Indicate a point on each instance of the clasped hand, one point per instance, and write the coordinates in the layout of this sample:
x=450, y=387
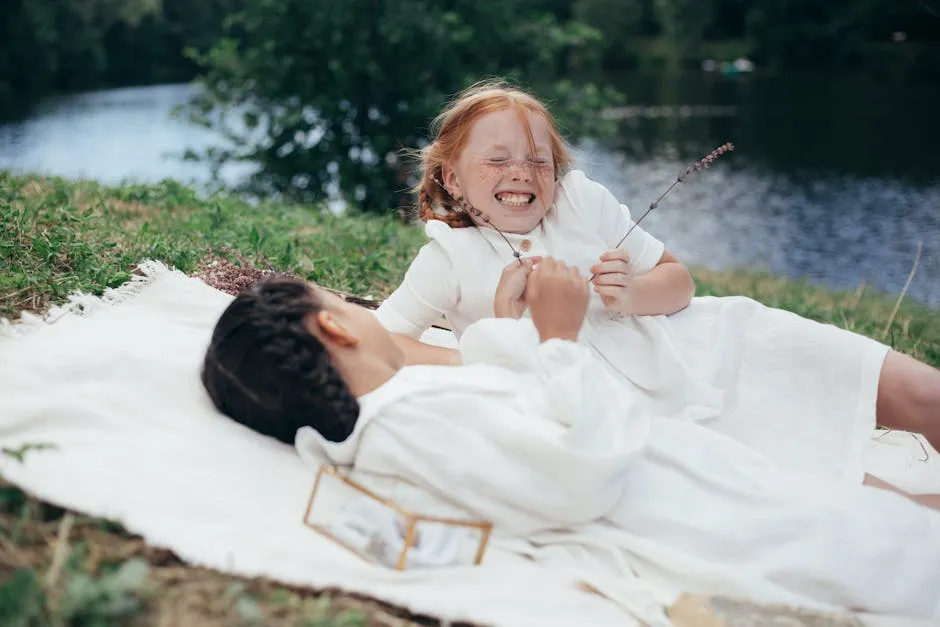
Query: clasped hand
x=555, y=293
x=612, y=282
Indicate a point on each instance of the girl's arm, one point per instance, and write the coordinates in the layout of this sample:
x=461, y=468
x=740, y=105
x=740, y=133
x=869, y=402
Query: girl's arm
x=417, y=352
x=426, y=294
x=666, y=288
x=636, y=275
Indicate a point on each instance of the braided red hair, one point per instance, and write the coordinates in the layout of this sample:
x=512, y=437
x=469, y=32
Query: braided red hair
x=453, y=126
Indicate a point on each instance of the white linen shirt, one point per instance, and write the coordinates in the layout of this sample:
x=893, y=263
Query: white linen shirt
x=456, y=273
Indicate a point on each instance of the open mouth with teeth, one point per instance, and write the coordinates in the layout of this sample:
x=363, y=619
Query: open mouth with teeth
x=513, y=199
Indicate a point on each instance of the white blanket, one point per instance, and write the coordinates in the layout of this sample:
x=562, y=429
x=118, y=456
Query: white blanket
x=118, y=394
x=115, y=390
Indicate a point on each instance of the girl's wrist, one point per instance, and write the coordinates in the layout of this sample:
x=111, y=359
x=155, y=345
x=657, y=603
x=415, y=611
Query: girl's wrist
x=501, y=310
x=506, y=308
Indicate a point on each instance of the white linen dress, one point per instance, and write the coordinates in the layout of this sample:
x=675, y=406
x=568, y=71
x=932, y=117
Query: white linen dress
x=796, y=390
x=546, y=443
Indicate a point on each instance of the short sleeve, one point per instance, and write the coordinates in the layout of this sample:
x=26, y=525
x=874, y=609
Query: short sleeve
x=428, y=292
x=612, y=219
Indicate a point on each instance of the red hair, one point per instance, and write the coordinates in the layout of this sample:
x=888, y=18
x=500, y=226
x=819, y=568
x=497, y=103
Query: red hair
x=451, y=129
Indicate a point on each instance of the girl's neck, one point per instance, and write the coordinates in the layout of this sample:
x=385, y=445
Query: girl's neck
x=365, y=373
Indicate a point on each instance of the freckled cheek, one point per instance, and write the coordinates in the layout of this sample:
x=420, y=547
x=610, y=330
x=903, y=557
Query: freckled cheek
x=488, y=175
x=485, y=180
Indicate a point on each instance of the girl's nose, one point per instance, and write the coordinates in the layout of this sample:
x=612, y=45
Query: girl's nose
x=519, y=170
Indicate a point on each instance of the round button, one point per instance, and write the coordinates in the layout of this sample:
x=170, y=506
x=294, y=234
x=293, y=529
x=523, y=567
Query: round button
x=525, y=245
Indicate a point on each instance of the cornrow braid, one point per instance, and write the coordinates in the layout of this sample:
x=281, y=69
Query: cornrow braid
x=265, y=370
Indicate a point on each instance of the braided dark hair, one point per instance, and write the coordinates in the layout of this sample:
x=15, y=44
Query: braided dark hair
x=265, y=370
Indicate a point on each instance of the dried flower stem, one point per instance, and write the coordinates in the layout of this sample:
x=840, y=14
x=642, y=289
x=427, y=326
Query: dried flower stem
x=479, y=214
x=466, y=206
x=702, y=164
x=907, y=284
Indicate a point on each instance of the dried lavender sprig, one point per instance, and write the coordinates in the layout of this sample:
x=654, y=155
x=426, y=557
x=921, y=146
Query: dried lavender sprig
x=479, y=214
x=474, y=211
x=702, y=164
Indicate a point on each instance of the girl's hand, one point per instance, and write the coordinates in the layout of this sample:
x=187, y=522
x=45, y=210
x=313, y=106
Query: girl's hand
x=559, y=297
x=509, y=301
x=613, y=281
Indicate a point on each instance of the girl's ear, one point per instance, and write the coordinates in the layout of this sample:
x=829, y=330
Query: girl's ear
x=449, y=176
x=333, y=330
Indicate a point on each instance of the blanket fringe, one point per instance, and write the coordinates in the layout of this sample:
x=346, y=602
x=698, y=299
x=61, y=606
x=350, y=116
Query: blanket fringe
x=84, y=304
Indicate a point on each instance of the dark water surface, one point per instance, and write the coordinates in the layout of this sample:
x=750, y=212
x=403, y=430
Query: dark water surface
x=834, y=178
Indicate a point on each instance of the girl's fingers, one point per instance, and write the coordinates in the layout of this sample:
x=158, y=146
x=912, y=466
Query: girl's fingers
x=616, y=279
x=611, y=266
x=615, y=255
x=607, y=290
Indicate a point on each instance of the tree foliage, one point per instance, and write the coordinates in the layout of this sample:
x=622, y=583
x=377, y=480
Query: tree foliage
x=325, y=93
x=781, y=33
x=48, y=46
x=683, y=23
x=322, y=93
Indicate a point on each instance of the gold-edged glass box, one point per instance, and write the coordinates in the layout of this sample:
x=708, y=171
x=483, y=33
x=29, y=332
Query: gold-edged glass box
x=391, y=529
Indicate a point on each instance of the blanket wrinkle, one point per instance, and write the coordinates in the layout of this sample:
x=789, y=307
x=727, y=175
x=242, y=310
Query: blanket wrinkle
x=111, y=382
x=144, y=446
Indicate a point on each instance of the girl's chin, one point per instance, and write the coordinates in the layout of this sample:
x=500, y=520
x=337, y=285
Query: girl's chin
x=511, y=219
x=518, y=215
x=519, y=226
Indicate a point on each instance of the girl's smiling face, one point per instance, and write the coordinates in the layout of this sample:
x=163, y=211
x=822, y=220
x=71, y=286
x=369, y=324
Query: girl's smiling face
x=506, y=170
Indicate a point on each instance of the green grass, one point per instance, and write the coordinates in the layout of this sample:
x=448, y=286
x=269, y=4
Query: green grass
x=914, y=329
x=57, y=237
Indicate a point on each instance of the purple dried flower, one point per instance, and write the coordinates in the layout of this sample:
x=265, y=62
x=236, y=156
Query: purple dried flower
x=704, y=162
x=698, y=166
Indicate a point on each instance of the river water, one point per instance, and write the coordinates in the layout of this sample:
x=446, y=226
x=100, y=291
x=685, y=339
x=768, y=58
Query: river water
x=834, y=179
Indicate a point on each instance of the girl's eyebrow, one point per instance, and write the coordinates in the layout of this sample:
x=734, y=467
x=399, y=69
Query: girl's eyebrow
x=538, y=147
